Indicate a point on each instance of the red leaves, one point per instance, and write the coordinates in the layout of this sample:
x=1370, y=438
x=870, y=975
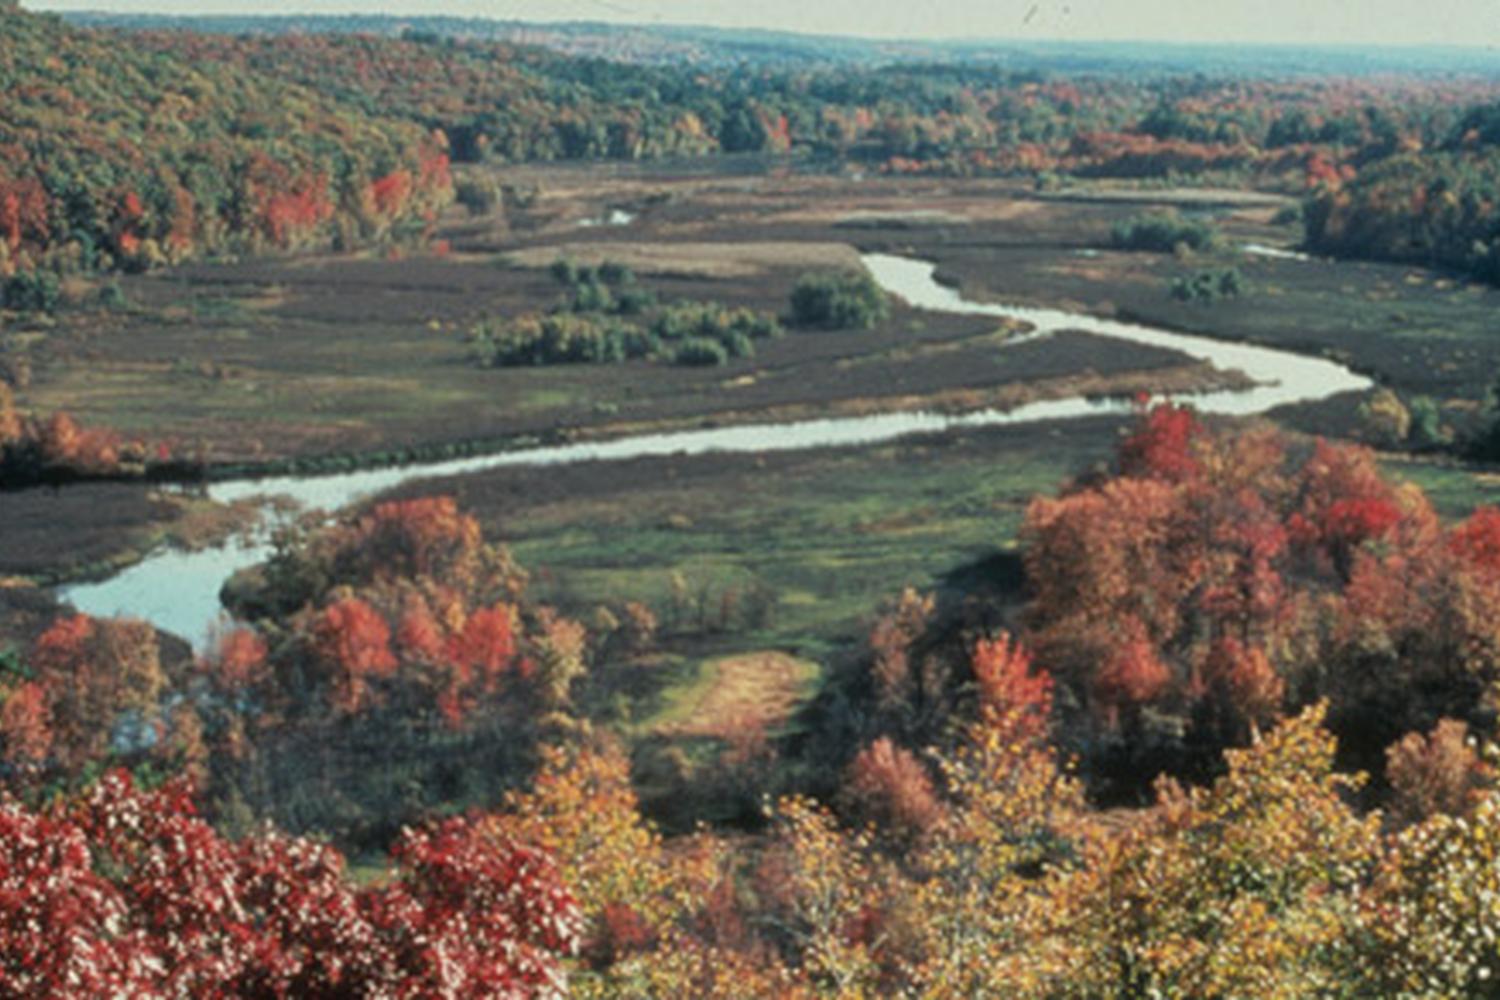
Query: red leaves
x=185, y=912
x=1245, y=681
x=1162, y=446
x=239, y=662
x=23, y=213
x=888, y=786
x=1134, y=675
x=1009, y=690
x=1345, y=502
x=57, y=917
x=486, y=648
x=407, y=538
x=26, y=724
x=473, y=917
x=1357, y=520
x=1477, y=540
x=91, y=673
x=288, y=214
x=354, y=640
x=389, y=194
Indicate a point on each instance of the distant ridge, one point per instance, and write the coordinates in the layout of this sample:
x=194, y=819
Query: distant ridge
x=721, y=47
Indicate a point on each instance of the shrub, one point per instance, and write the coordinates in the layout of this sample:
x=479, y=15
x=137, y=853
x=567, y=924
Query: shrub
x=1427, y=430
x=560, y=339
x=1436, y=773
x=1386, y=419
x=738, y=345
x=1208, y=285
x=479, y=197
x=112, y=297
x=700, y=351
x=714, y=321
x=614, y=273
x=1163, y=232
x=887, y=786
x=633, y=300
x=838, y=300
x=592, y=297
x=31, y=291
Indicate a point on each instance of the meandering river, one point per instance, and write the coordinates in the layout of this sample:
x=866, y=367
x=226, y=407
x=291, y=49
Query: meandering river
x=178, y=590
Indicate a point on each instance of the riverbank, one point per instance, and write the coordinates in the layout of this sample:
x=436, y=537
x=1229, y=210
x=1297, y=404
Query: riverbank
x=178, y=590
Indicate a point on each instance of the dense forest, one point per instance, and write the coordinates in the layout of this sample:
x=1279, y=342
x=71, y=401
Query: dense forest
x=267, y=141
x=119, y=156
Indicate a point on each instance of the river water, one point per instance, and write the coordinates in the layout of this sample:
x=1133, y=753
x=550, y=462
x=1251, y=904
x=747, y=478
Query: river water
x=178, y=590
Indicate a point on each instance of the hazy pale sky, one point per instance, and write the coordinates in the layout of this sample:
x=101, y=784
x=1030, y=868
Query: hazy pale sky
x=1466, y=22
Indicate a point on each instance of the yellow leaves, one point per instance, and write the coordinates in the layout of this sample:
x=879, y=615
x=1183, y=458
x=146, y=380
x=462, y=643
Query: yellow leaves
x=1433, y=913
x=583, y=810
x=826, y=883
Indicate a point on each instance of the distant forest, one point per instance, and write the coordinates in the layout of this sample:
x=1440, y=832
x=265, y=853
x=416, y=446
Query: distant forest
x=341, y=131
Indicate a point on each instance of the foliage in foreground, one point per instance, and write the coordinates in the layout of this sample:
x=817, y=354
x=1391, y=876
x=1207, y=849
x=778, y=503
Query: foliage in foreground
x=1270, y=594
x=126, y=892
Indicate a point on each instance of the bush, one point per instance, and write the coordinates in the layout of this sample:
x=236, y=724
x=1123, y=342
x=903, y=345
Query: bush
x=1288, y=216
x=1208, y=286
x=714, y=321
x=614, y=273
x=1436, y=773
x=112, y=297
x=560, y=339
x=592, y=297
x=1386, y=419
x=700, y=352
x=1163, y=232
x=1427, y=430
x=480, y=197
x=838, y=300
x=738, y=345
x=31, y=291
x=633, y=300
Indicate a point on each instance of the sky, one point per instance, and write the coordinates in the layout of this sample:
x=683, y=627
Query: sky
x=1384, y=22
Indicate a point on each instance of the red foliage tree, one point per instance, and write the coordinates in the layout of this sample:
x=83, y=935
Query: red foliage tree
x=238, y=661
x=389, y=194
x=1161, y=447
x=26, y=724
x=1135, y=674
x=887, y=785
x=1477, y=540
x=354, y=641
x=1244, y=682
x=130, y=894
x=1011, y=693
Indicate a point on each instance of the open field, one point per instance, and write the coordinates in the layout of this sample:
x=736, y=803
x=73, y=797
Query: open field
x=756, y=690
x=828, y=534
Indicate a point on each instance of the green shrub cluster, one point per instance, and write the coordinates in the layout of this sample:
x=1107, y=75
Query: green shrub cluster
x=1163, y=232
x=588, y=327
x=700, y=351
x=714, y=321
x=838, y=300
x=1208, y=285
x=31, y=291
x=609, y=288
x=558, y=339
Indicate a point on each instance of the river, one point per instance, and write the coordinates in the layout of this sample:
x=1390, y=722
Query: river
x=178, y=590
